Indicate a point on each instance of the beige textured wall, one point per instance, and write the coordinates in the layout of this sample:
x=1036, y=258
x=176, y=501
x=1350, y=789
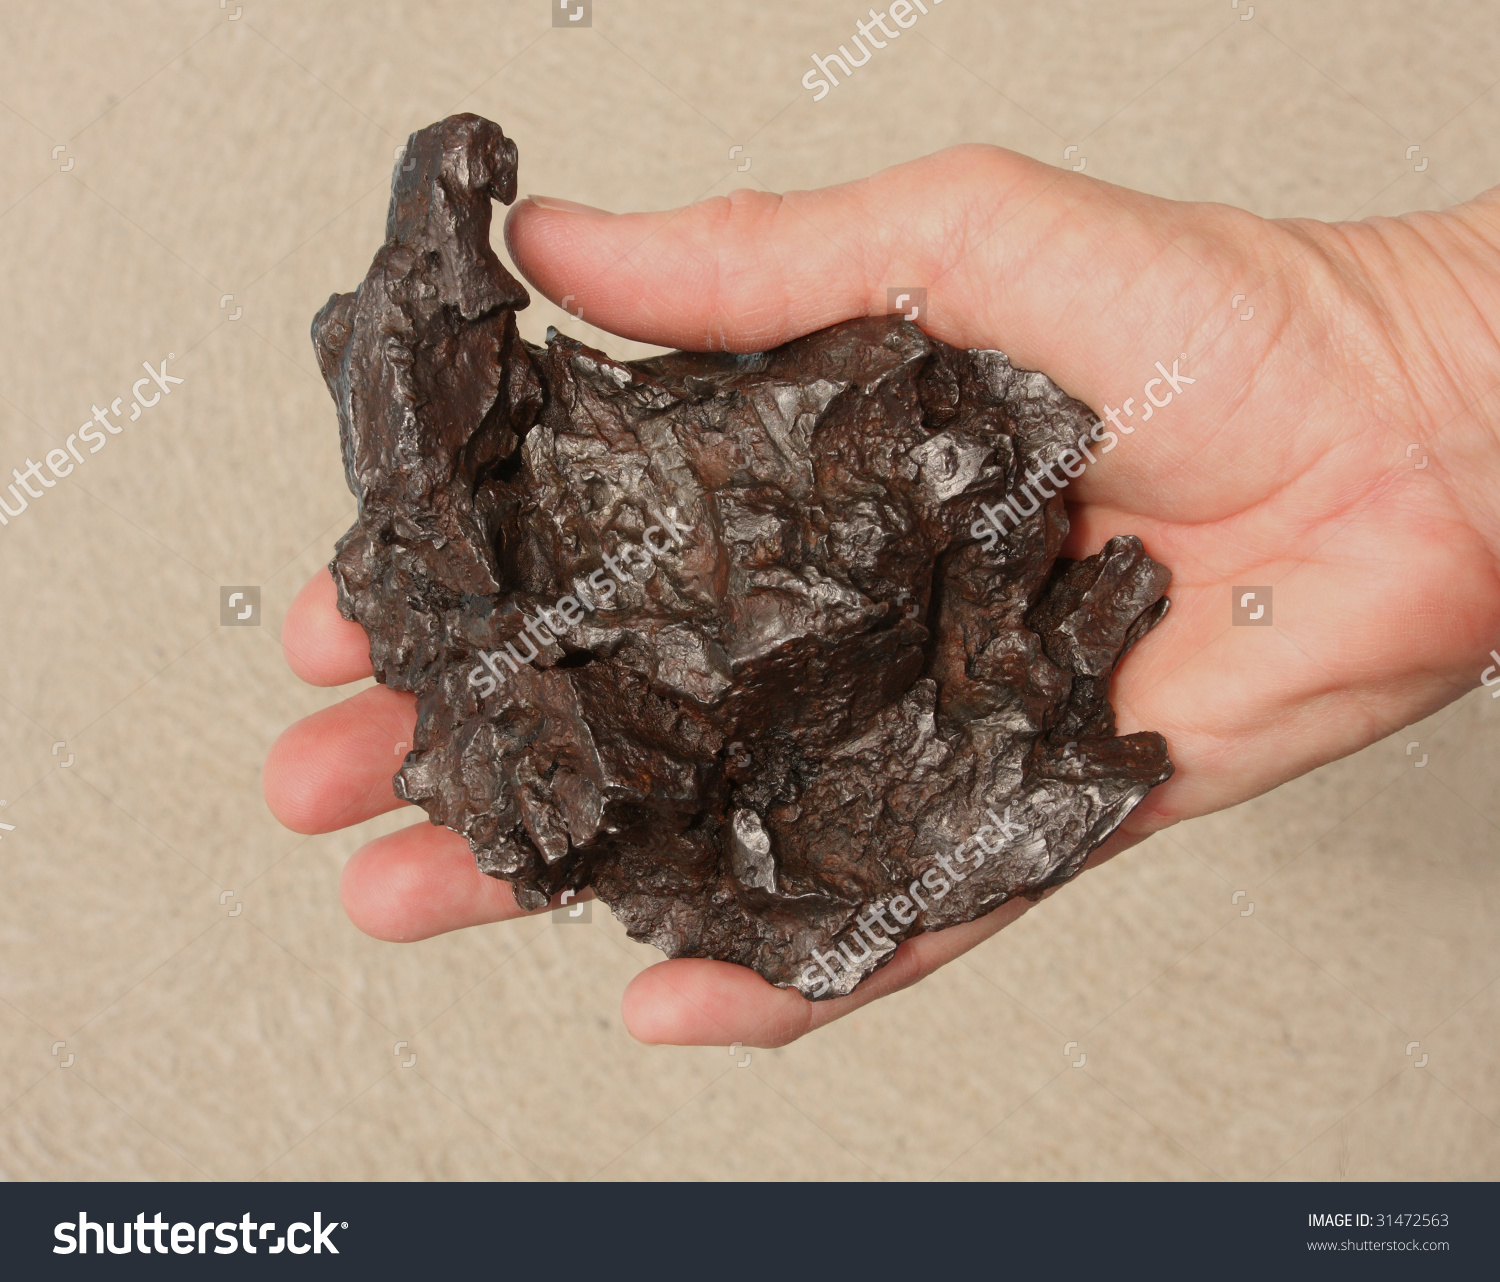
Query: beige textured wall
x=207, y=154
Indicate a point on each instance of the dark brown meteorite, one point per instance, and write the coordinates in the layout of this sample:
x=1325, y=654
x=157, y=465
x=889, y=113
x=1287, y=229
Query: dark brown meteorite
x=796, y=703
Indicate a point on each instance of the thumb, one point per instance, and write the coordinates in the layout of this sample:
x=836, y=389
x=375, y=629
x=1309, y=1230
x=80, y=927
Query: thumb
x=1061, y=271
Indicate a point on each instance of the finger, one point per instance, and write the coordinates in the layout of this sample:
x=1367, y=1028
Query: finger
x=1012, y=252
x=334, y=768
x=741, y=272
x=321, y=646
x=696, y=1002
x=419, y=882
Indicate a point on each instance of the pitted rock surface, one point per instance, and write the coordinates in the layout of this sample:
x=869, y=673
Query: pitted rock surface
x=718, y=635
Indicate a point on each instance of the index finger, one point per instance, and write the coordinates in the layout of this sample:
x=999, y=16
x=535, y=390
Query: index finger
x=321, y=646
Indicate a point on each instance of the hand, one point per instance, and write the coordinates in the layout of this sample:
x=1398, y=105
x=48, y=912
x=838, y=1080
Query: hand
x=1285, y=461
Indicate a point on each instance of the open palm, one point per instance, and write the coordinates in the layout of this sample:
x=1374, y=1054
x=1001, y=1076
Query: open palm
x=1330, y=445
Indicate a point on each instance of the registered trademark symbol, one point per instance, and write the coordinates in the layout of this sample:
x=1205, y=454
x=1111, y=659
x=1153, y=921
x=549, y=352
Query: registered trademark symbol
x=344, y=1225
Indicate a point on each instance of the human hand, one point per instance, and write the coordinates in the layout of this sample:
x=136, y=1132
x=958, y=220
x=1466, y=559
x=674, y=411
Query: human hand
x=1282, y=459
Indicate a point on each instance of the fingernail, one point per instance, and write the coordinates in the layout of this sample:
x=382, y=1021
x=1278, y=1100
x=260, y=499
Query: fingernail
x=565, y=206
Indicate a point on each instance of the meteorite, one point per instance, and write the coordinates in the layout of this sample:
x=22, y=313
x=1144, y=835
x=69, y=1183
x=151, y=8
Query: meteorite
x=750, y=644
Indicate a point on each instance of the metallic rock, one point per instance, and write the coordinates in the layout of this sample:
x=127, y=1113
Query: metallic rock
x=724, y=637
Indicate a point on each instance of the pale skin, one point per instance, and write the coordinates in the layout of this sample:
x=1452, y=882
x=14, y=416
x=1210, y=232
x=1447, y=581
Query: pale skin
x=1287, y=463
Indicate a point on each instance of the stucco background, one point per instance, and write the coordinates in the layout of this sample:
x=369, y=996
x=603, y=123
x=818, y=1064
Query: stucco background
x=180, y=993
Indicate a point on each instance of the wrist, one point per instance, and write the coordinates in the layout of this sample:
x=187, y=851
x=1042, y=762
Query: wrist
x=1421, y=309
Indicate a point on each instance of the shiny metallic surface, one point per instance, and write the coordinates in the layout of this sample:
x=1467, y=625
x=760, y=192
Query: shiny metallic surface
x=719, y=636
